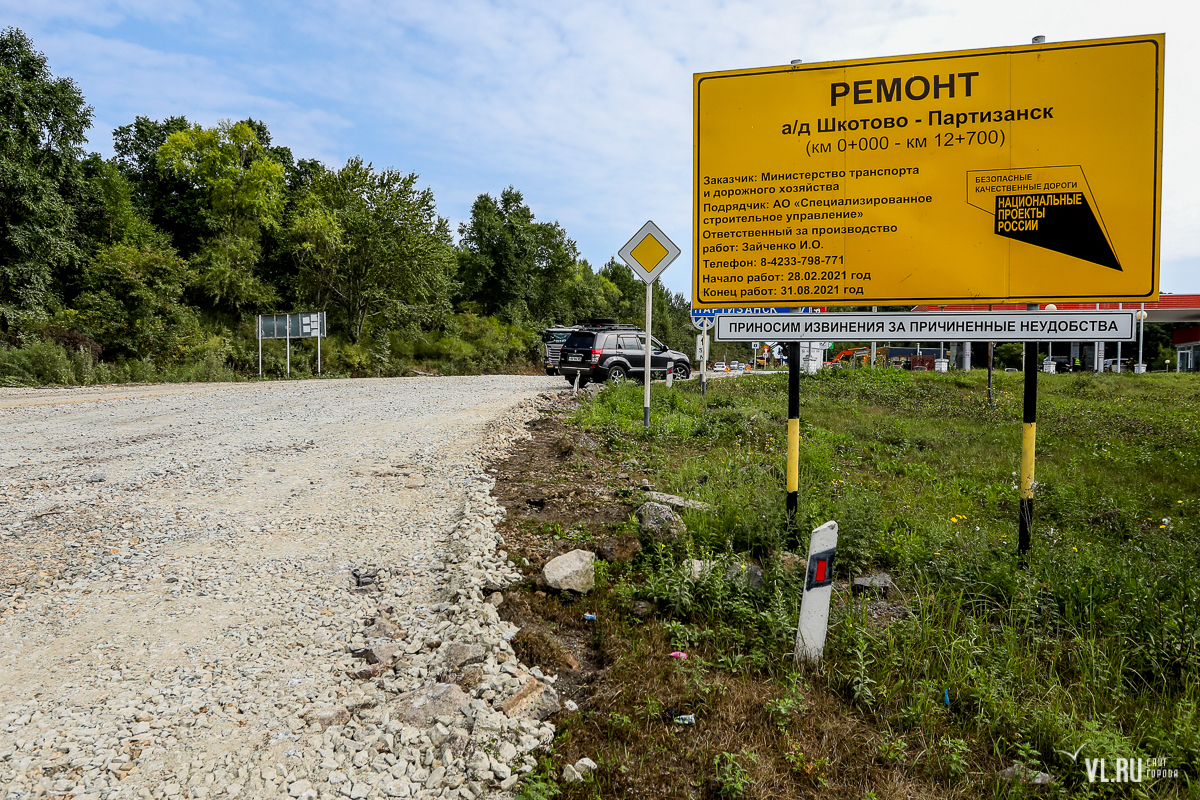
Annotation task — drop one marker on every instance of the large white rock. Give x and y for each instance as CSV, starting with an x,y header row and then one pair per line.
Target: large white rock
x,y
574,570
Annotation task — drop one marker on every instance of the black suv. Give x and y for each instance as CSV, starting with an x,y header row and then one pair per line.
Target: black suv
x,y
606,351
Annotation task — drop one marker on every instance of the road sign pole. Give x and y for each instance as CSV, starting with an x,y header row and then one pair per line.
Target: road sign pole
x,y
647,357
991,361
1028,448
704,366
258,324
873,308
793,430
288,326
648,253
1141,335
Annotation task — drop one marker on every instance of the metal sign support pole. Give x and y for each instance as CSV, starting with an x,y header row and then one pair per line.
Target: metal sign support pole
x,y
793,429
873,308
704,366
1141,335
648,356
1120,366
320,332
1028,448
288,326
991,360
258,324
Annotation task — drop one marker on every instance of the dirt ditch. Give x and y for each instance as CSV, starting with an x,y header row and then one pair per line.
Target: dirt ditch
x,y
563,490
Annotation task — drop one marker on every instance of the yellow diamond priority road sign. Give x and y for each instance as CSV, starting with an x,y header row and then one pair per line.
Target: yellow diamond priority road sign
x,y
649,252
1015,174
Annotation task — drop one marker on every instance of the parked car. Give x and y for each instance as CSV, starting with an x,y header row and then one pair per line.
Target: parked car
x,y
735,365
607,351
719,366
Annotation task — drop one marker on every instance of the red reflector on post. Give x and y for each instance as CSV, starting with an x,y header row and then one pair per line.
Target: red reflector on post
x,y
821,569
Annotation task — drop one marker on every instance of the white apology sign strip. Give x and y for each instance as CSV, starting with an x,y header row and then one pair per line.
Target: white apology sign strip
x,y
983,326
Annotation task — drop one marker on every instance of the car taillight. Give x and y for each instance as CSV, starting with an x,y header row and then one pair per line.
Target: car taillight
x,y
596,355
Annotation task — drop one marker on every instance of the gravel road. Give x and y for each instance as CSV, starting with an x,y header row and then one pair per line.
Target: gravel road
x,y
179,604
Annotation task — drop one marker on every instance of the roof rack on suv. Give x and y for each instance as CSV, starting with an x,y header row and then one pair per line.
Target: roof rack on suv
x,y
609,324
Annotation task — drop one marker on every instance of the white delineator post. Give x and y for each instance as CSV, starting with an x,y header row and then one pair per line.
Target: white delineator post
x,y
818,591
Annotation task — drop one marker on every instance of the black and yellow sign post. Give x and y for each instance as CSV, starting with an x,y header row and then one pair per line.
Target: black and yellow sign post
x,y
1028,450
1024,174
793,430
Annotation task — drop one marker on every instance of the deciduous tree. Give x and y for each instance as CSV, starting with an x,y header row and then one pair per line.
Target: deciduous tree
x,y
245,196
43,124
370,243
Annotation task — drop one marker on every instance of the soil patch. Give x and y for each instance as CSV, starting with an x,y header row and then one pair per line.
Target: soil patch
x,y
660,726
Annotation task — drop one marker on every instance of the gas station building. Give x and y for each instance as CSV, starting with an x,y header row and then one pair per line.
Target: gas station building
x,y
1169,308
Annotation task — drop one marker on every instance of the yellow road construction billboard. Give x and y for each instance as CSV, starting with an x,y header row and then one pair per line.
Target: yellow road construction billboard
x,y
1017,174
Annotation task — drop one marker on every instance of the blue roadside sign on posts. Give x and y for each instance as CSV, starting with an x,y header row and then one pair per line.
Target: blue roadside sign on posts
x,y
712,312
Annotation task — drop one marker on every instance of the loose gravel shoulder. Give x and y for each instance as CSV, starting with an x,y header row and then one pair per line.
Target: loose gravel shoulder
x,y
261,590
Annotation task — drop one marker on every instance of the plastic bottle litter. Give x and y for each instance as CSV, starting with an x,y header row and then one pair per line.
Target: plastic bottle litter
x,y
590,617
686,719
680,655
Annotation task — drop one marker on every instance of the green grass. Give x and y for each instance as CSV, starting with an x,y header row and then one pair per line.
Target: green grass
x,y
1096,642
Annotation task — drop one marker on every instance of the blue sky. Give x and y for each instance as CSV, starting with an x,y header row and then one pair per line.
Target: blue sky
x,y
585,107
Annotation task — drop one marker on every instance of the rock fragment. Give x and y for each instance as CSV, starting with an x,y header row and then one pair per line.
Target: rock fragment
x,y
878,584
574,571
658,523
536,700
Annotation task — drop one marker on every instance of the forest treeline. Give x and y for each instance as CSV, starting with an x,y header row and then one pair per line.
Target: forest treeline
x,y
152,264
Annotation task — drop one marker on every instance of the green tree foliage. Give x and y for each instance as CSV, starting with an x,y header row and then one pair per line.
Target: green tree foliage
x,y
371,244
156,257
245,186
672,312
516,268
133,287
43,123
171,202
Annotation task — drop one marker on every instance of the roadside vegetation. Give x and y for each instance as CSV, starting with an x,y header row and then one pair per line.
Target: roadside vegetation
x,y
976,664
151,265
